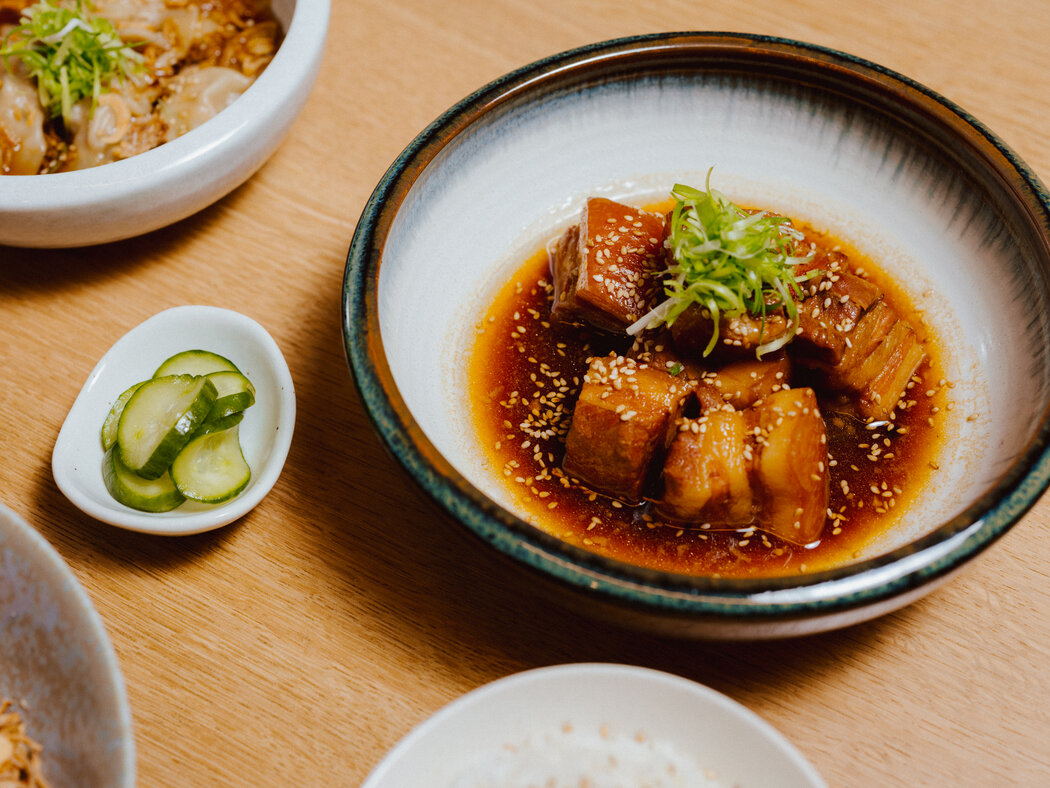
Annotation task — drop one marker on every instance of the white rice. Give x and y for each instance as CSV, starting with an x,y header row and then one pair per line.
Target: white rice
x,y
586,758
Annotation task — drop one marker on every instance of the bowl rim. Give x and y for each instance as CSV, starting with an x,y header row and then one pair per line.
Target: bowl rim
x,y
588,679
895,574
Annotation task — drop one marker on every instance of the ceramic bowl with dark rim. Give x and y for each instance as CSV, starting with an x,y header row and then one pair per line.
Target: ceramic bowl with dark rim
x,y
908,177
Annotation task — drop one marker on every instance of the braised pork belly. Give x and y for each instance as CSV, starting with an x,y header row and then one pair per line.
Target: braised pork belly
x,y
604,268
666,448
708,472
622,423
859,342
757,453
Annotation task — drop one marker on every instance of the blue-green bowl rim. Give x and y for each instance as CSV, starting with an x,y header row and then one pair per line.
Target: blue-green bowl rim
x,y
684,596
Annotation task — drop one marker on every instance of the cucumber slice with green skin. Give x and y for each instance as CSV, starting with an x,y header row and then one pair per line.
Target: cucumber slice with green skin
x,y
236,393
159,420
195,362
130,489
109,426
212,468
221,423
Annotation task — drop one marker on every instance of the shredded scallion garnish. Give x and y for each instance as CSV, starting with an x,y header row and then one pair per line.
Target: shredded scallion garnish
x,y
70,52
729,262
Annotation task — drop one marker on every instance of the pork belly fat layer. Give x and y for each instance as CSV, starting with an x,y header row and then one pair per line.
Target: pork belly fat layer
x,y
706,474
852,372
901,358
791,476
565,265
623,422
605,268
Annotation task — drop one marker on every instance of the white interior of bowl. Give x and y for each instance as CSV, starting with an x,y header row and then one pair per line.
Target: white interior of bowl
x,y
550,723
57,665
169,183
506,186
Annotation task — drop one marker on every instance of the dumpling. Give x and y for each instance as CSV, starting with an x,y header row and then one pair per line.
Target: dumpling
x,y
171,31
122,125
199,93
96,134
23,144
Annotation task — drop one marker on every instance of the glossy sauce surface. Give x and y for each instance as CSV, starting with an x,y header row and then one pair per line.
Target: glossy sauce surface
x,y
525,374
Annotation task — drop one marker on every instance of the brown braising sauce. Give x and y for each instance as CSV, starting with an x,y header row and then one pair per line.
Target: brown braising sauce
x,y
526,372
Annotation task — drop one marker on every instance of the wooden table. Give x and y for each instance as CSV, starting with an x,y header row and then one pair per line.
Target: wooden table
x,y
300,643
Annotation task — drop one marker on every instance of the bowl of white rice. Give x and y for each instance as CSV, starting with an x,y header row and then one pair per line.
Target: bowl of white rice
x,y
594,725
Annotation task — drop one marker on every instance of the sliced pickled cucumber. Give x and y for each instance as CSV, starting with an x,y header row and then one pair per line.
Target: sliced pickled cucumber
x,y
194,362
186,416
109,426
221,423
130,489
212,468
159,419
236,393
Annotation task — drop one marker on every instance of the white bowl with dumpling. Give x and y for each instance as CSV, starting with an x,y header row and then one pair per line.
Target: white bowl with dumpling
x,y
192,114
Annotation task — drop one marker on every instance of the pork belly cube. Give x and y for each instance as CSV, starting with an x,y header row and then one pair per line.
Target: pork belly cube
x,y
605,269
828,316
623,422
742,383
791,478
899,357
848,373
868,351
738,337
883,354
706,474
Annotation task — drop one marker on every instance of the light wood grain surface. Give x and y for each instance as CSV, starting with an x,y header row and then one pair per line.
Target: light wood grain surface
x,y
297,645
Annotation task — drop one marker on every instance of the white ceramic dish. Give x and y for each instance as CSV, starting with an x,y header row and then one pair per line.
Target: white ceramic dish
x,y
902,173
58,667
265,432
161,186
580,711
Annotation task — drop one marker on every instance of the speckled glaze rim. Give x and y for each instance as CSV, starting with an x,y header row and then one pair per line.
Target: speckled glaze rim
x,y
900,574
50,564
